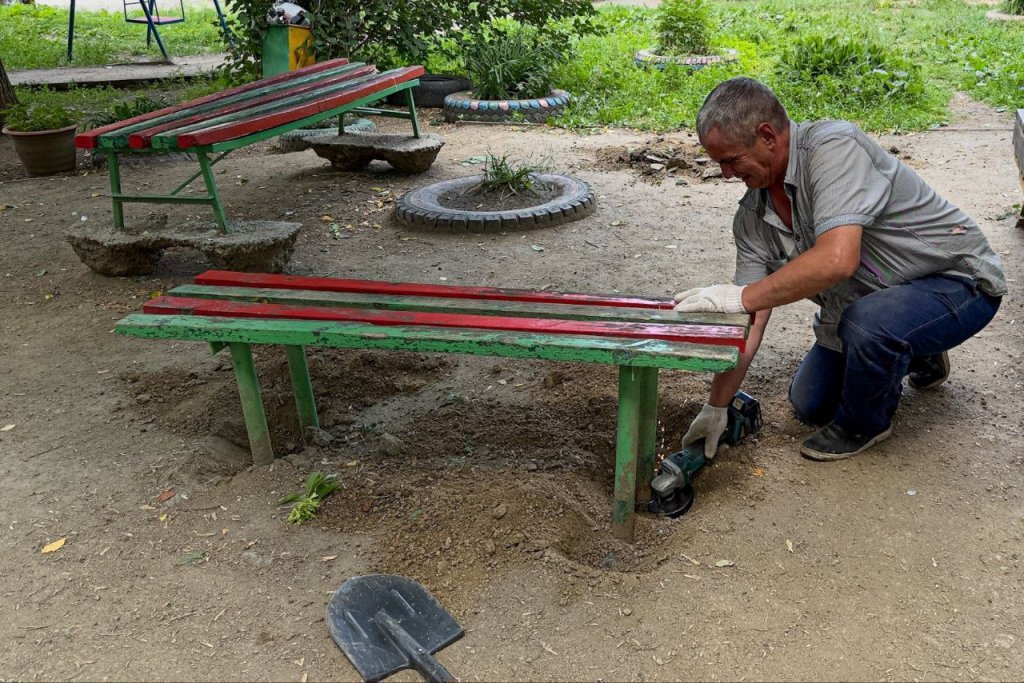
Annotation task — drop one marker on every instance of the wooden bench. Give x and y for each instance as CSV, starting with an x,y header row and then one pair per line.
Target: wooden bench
x,y
223,122
638,334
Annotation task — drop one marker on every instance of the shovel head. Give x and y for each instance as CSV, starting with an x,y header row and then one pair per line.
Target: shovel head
x,y
385,623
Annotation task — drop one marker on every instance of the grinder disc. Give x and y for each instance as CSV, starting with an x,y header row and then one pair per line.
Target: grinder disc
x,y
685,498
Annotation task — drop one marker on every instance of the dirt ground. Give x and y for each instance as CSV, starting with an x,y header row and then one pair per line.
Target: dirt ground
x,y
489,480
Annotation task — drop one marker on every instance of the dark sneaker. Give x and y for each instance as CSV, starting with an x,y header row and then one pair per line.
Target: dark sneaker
x,y
832,442
928,372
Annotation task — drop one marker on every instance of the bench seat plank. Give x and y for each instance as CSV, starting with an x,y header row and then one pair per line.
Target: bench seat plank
x,y
231,278
243,106
90,138
577,348
229,131
697,334
300,297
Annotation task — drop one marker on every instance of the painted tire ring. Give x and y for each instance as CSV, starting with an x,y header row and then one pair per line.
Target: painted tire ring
x,y
461,106
420,207
648,58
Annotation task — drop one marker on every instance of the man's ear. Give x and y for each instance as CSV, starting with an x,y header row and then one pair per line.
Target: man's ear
x,y
768,134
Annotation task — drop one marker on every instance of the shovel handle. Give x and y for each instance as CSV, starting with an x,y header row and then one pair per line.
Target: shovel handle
x,y
423,661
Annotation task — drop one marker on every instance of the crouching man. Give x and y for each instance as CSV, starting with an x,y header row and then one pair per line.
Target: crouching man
x,y
900,274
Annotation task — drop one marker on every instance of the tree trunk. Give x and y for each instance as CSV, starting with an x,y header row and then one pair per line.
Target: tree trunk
x,y
7,96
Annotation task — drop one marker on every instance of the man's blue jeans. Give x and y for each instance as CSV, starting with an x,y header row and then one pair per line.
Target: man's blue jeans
x,y
860,388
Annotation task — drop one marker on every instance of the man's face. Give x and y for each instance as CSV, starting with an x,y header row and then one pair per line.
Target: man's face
x,y
753,164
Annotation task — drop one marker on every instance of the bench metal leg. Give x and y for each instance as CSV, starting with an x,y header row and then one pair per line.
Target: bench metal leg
x,y
412,113
634,436
648,437
114,171
305,404
211,189
252,404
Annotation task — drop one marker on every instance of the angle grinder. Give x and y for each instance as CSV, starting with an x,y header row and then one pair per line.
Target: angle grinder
x,y
672,487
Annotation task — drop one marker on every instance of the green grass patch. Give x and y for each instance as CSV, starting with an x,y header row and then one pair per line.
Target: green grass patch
x,y
36,37
94,105
888,65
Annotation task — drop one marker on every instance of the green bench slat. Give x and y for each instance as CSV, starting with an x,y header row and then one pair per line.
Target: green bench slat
x,y
648,353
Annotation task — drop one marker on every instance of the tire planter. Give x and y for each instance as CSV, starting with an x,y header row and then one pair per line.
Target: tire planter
x,y
461,106
649,58
432,90
420,207
45,152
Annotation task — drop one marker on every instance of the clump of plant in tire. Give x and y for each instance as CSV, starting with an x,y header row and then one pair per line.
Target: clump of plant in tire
x,y
507,176
512,61
684,27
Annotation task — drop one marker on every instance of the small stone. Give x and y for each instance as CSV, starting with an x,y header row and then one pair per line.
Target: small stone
x,y
442,566
251,557
500,511
531,467
314,436
143,398
553,379
489,547
626,612
391,445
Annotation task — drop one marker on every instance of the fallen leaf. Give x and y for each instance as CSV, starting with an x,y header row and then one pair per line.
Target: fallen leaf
x,y
165,496
536,247
789,545
725,563
328,558
53,547
162,517
146,507
7,428
757,472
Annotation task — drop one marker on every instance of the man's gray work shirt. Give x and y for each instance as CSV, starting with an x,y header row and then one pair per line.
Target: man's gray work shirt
x,y
837,176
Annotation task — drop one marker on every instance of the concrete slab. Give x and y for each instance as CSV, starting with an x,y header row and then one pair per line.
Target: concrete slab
x,y
119,75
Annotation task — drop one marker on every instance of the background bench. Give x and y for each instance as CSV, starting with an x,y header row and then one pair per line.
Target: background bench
x,y
225,121
640,335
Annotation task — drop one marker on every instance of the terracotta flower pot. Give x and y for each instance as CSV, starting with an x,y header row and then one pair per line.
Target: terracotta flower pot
x,y
45,152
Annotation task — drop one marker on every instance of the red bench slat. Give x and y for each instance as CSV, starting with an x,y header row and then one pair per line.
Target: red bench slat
x,y
229,278
718,335
230,131
87,140
141,139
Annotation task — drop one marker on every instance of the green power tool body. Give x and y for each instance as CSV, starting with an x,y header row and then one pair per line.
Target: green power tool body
x,y
672,487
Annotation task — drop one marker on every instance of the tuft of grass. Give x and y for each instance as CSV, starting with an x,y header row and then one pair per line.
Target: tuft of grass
x,y
35,37
305,503
510,176
1013,6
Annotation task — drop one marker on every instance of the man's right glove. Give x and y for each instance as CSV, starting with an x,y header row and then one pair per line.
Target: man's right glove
x,y
709,425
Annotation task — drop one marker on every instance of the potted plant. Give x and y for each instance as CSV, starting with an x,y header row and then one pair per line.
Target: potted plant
x,y
511,67
43,136
684,37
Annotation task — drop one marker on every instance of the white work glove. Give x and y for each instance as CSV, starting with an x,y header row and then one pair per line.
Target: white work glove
x,y
714,299
709,425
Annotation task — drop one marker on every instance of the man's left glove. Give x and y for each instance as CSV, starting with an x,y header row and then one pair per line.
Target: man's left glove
x,y
714,299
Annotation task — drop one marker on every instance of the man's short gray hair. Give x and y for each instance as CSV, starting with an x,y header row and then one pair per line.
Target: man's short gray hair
x,y
736,107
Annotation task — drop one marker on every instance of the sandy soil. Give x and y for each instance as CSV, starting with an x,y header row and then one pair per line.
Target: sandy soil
x,y
488,480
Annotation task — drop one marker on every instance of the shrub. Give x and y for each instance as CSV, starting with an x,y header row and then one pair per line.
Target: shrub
x,y
142,104
1013,6
850,68
511,62
684,27
398,32
38,116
